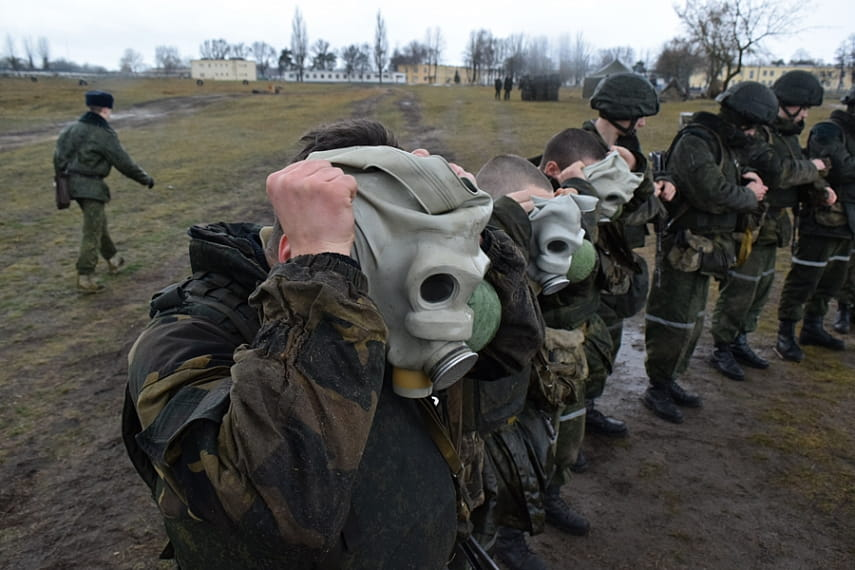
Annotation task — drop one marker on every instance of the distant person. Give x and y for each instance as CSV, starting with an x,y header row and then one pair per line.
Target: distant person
x,y
85,152
509,85
498,85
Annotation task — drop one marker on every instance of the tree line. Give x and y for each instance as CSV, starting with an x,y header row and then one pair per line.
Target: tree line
x,y
720,38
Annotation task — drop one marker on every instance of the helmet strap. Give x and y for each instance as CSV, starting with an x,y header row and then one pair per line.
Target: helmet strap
x,y
625,131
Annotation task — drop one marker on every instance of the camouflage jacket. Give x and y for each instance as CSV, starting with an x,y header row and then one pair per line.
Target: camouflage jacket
x,y
88,149
290,450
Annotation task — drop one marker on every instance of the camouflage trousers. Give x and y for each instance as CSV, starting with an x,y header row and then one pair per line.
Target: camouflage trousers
x,y
674,321
744,294
96,237
816,276
847,292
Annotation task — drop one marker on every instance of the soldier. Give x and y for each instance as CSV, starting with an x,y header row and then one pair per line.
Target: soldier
x,y
86,151
509,85
699,242
264,405
846,300
498,85
624,101
824,242
748,286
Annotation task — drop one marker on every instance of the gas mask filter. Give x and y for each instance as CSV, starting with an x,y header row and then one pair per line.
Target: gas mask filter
x,y
418,229
613,182
556,227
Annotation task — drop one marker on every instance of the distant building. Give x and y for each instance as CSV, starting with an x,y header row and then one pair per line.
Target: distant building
x,y
828,75
223,69
342,76
424,74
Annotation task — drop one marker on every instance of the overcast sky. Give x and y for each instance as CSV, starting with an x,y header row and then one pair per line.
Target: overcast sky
x,y
99,33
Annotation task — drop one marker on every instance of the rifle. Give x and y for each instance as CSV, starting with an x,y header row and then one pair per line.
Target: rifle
x,y
657,161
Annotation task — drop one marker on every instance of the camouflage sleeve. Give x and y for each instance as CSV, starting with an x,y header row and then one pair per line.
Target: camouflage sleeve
x,y
272,442
118,157
796,170
826,140
521,329
701,181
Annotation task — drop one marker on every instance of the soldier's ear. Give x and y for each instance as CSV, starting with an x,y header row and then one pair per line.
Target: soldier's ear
x,y
551,169
284,249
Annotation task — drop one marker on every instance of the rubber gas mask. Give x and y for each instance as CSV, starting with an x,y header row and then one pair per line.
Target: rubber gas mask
x,y
418,229
556,227
613,182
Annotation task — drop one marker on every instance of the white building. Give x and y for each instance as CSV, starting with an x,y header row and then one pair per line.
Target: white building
x,y
341,76
223,69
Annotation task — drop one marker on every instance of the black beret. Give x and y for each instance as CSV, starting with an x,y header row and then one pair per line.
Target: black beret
x,y
99,99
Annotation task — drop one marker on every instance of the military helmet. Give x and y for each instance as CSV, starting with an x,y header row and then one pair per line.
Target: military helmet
x,y
625,96
849,98
798,89
752,101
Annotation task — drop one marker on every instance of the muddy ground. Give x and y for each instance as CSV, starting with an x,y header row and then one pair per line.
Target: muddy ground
x,y
710,493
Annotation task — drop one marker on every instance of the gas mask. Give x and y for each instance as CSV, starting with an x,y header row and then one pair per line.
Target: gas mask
x,y
613,182
556,228
418,229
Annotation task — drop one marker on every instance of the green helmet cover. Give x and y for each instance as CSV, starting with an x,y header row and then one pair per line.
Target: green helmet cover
x,y
752,101
625,97
798,89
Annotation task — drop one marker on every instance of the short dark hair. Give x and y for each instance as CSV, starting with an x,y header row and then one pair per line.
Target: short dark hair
x,y
571,145
343,134
508,173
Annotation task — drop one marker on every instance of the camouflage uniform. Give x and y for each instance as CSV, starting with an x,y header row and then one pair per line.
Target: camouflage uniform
x,y
822,252
265,422
704,165
87,150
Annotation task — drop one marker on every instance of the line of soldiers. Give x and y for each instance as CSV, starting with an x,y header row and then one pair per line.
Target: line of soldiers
x,y
400,371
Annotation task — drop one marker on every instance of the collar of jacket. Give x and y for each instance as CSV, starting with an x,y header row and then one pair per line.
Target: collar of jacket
x,y
788,127
95,119
845,120
731,136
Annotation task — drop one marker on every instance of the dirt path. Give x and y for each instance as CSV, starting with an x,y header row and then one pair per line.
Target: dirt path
x,y
733,487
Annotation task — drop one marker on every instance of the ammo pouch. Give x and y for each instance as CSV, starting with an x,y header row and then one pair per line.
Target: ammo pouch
x,y
833,216
635,297
559,370
62,191
709,256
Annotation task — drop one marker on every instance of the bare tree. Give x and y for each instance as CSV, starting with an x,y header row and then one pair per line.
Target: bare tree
x,y
381,45
679,59
574,59
435,43
730,30
414,53
323,59
264,54
515,49
356,58
844,58
43,49
240,51
29,52
537,59
167,58
477,54
131,61
299,42
624,54
286,61
214,49
11,53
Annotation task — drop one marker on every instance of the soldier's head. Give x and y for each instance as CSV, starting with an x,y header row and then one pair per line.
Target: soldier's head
x,y
624,100
569,146
508,173
849,101
797,91
100,102
747,105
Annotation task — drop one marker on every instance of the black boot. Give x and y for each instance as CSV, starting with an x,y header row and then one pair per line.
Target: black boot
x,y
813,333
744,354
844,318
723,361
598,422
683,397
581,463
560,515
513,551
658,399
786,346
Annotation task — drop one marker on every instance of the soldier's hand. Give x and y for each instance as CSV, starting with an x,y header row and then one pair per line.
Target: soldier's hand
x,y
150,183
313,201
755,184
523,197
830,196
626,155
664,190
575,170
458,170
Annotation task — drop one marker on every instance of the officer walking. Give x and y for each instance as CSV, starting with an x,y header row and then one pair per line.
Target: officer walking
x,y
86,151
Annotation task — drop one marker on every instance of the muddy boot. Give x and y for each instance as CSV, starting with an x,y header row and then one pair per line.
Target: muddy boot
x,y
744,354
85,284
658,400
813,333
598,422
723,361
581,463
115,263
560,515
513,551
844,318
786,346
